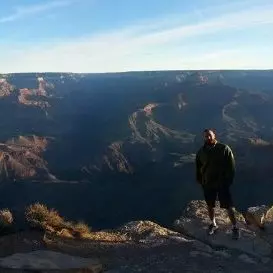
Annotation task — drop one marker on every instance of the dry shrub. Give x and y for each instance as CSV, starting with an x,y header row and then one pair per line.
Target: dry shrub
x,y
36,214
81,228
39,216
6,218
54,219
65,233
68,225
78,230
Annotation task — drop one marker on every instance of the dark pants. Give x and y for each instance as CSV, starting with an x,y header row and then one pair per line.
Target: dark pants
x,y
223,194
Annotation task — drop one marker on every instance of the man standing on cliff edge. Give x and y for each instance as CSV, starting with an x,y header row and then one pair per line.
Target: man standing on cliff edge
x,y
215,170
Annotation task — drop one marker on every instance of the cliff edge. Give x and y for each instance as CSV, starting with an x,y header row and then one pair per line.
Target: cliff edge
x,y
144,246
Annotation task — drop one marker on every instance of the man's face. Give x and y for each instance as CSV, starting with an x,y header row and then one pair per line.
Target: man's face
x,y
209,137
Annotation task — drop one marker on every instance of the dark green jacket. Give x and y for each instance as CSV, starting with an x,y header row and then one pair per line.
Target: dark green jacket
x,y
215,166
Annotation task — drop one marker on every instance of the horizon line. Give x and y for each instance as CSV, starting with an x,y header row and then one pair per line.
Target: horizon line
x,y
140,71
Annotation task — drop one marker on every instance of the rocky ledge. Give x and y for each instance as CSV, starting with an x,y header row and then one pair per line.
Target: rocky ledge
x,y
151,248
256,229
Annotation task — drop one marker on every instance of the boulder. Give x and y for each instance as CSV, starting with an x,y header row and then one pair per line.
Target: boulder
x,y
256,216
269,216
150,233
261,218
145,230
195,222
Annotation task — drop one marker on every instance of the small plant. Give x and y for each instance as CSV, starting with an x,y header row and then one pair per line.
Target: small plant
x,y
6,218
54,219
36,214
81,228
39,216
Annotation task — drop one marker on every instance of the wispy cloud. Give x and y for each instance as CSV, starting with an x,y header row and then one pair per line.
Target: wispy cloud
x,y
237,20
159,45
23,11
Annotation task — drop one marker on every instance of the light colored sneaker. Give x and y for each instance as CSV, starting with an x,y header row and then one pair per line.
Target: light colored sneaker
x,y
212,229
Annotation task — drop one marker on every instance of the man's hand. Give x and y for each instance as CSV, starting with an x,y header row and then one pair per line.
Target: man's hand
x,y
198,165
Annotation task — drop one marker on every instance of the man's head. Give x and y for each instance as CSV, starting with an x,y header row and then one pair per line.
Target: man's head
x,y
209,136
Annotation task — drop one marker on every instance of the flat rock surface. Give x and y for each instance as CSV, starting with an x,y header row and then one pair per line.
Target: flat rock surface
x,y
43,259
195,224
171,253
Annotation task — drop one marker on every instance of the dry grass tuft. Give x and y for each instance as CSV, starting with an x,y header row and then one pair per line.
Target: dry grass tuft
x,y
49,220
6,218
82,228
103,236
64,233
39,216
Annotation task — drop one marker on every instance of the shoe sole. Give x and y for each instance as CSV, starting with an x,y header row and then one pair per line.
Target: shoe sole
x,y
213,232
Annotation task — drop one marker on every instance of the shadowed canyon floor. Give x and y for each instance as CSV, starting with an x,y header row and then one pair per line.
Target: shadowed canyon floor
x,y
124,137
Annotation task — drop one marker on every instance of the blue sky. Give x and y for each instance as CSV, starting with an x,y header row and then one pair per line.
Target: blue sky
x,y
134,35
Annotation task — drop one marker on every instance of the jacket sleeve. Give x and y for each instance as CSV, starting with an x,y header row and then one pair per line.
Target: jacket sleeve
x,y
198,166
230,165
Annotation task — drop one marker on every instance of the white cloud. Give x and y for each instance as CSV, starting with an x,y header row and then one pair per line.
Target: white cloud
x,y
150,47
23,11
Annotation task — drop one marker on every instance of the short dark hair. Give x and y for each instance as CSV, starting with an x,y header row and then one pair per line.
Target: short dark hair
x,y
209,129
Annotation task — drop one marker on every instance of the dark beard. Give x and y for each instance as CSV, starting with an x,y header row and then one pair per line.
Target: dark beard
x,y
210,144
